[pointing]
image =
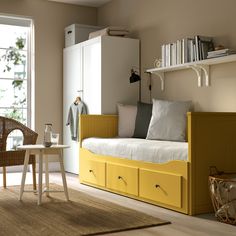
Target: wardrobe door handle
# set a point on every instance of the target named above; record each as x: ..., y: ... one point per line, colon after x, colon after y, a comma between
x: 90, y: 171
x: 157, y: 186
x: 119, y: 177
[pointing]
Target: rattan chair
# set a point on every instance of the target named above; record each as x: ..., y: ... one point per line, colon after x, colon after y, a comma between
x: 15, y: 157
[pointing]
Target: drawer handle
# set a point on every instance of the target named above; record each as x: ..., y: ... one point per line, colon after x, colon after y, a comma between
x: 121, y: 178
x: 157, y: 186
x: 90, y: 171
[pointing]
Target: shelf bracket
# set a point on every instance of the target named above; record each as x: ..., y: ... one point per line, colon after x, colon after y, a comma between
x: 161, y: 76
x: 206, y: 71
x: 198, y: 71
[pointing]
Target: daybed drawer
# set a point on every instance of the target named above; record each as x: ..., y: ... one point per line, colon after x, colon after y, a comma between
x: 160, y: 186
x: 122, y: 178
x: 93, y: 172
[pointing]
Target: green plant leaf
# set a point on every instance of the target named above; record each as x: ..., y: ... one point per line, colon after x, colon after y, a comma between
x: 13, y: 55
x: 20, y: 43
x: 17, y: 83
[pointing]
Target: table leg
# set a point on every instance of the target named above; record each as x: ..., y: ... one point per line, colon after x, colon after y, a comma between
x: 26, y: 161
x: 40, y: 177
x: 63, y: 175
x: 46, y: 175
x: 4, y: 172
x: 34, y: 175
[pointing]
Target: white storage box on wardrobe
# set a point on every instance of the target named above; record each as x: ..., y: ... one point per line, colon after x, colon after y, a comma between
x: 78, y: 33
x: 100, y: 68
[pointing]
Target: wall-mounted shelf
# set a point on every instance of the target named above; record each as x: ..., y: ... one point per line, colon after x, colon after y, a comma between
x: 200, y: 68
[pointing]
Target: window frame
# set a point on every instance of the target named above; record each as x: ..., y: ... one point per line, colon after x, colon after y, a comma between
x: 26, y: 22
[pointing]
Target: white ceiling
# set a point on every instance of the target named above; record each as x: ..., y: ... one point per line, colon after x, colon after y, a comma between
x: 90, y: 3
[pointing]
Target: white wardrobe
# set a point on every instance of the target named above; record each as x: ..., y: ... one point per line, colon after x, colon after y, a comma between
x: 98, y: 71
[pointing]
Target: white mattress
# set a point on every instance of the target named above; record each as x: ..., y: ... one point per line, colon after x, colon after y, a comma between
x: 138, y: 149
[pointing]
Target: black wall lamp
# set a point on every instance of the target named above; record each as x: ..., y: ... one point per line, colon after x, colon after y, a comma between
x: 134, y: 77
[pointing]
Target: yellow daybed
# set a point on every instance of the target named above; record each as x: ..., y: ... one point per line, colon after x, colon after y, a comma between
x: 178, y: 185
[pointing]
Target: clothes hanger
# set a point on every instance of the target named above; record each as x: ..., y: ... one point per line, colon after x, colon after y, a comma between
x: 77, y: 100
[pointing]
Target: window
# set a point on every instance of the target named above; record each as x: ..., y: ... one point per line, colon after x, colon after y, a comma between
x: 16, y: 68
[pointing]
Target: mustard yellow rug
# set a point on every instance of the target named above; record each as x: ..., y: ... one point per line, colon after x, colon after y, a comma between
x: 82, y: 215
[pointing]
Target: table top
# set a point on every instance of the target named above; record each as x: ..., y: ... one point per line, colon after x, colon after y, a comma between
x: 41, y: 147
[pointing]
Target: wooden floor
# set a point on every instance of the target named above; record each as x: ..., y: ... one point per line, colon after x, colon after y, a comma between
x: 182, y: 225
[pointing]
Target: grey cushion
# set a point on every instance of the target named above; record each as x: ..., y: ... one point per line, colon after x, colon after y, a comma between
x: 168, y: 120
x: 144, y: 114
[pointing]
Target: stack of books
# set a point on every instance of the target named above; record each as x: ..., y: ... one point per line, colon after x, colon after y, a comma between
x: 221, y: 53
x: 186, y: 50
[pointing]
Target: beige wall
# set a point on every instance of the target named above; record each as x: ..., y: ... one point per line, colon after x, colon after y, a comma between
x: 50, y: 19
x: 157, y: 22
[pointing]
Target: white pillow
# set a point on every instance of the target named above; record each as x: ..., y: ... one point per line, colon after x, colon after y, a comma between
x: 168, y: 120
x: 126, y: 124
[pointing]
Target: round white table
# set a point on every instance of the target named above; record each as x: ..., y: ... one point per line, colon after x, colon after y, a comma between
x: 43, y: 153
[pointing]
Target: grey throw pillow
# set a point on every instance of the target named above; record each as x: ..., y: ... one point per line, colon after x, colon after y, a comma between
x: 168, y: 120
x: 144, y: 114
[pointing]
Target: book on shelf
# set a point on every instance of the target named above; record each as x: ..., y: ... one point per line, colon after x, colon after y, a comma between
x: 197, y: 48
x: 178, y: 52
x: 191, y: 50
x: 168, y: 55
x: 173, y: 54
x: 194, y: 52
x: 222, y: 51
x: 204, y: 44
x: 184, y: 50
x: 187, y: 50
x: 163, y: 55
x: 218, y: 55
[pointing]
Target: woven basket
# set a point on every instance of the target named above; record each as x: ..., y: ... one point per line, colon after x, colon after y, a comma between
x: 223, y: 195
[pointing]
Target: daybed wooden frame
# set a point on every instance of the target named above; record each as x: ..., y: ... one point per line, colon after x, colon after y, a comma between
x: 178, y: 185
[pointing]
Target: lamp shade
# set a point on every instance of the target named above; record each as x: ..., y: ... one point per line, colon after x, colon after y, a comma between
x: 134, y: 77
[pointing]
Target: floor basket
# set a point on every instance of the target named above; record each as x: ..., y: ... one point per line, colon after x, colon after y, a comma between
x: 223, y: 195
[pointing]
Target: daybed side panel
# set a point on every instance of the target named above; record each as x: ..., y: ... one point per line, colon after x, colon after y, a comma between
x: 212, y: 142
x: 103, y: 126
